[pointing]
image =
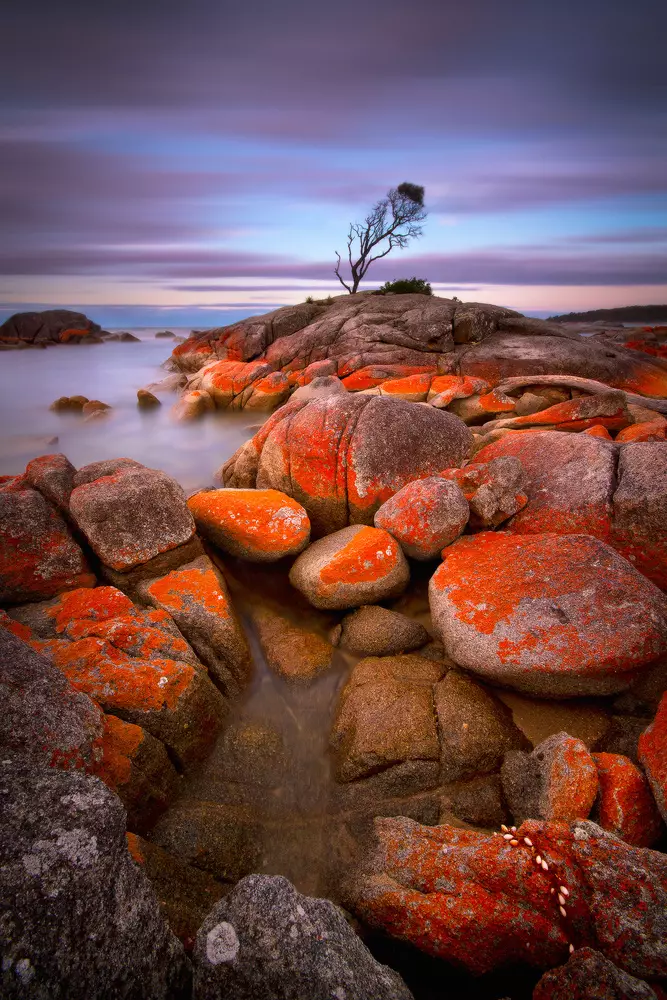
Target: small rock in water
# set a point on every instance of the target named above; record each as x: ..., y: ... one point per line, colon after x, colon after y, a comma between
x: 146, y: 400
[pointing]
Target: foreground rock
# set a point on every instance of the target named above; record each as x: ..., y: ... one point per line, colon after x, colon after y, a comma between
x: 653, y: 756
x: 481, y: 903
x: 540, y: 613
x: 425, y: 516
x: 588, y: 975
x: 341, y: 457
x: 267, y: 940
x: 376, y: 631
x: 80, y: 920
x: 354, y: 566
x: 557, y: 781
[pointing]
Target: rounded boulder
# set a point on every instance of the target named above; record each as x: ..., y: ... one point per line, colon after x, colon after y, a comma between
x: 354, y: 566
x: 552, y: 615
x: 258, y: 525
x: 425, y: 516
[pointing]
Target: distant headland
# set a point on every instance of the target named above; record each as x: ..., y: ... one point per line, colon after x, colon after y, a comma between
x: 624, y: 314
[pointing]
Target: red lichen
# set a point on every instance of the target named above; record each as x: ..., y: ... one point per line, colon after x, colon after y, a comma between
x: 118, y: 744
x: 626, y: 806
x: 648, y: 430
x: 184, y: 589
x: 95, y: 605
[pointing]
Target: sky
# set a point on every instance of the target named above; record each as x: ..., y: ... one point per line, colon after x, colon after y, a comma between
x: 190, y: 163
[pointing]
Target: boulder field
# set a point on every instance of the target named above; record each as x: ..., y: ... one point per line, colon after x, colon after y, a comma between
x: 409, y: 656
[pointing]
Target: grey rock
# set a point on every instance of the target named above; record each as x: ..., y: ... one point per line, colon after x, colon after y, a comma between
x: 267, y: 940
x: 79, y: 919
x: 479, y: 802
x: 53, y: 476
x: 588, y: 975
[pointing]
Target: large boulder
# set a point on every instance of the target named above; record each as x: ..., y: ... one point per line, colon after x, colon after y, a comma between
x: 625, y: 805
x: 258, y: 525
x: 354, y: 566
x: 267, y: 940
x: 79, y: 919
x: 38, y: 555
x: 131, y: 514
x: 482, y: 902
x: 639, y: 505
x: 341, y: 457
x: 553, y: 615
x: 52, y: 326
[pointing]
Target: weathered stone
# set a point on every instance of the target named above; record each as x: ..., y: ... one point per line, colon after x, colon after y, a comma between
x: 196, y: 597
x: 131, y: 515
x: 541, y: 613
x: 292, y: 652
x: 53, y: 476
x: 653, y: 756
x: 494, y: 490
x: 625, y: 805
x: 639, y: 504
x: 425, y: 516
x: 376, y: 631
x: 474, y: 727
x: 267, y: 940
x: 479, y: 802
x: 80, y: 921
x: 481, y: 903
x: 557, y: 781
x: 354, y: 566
x: 588, y: 975
x: 38, y: 556
x: 259, y: 525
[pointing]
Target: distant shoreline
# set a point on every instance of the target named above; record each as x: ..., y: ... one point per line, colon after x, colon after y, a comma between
x: 623, y: 314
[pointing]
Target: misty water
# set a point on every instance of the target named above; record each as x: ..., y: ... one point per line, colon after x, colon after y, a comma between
x: 32, y: 379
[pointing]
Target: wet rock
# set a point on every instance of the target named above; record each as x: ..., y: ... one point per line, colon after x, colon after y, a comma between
x: 65, y: 867
x: 386, y: 716
x: 480, y: 903
x: 625, y: 805
x: 131, y: 514
x: 125, y: 337
x: 147, y: 400
x: 541, y: 613
x: 94, y: 406
x: 266, y: 939
x: 259, y: 525
x: 557, y: 781
x: 43, y: 717
x: 569, y: 481
x: 639, y: 503
x: 475, y: 728
x: 38, y: 556
x: 343, y: 456
x: 224, y: 840
x: 53, y: 476
x: 185, y: 894
x: 494, y: 490
x: 354, y: 566
x: 195, y: 595
x: 653, y: 756
x: 376, y: 631
x: 165, y: 334
x: 479, y: 802
x: 424, y: 516
x: 588, y: 975
x: 292, y: 652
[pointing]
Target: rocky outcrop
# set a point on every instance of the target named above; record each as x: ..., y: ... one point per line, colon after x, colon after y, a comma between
x: 483, y: 902
x: 267, y: 940
x: 536, y: 613
x: 53, y: 326
x: 80, y: 920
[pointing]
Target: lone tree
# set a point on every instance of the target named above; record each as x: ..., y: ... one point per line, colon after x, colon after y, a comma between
x: 392, y: 223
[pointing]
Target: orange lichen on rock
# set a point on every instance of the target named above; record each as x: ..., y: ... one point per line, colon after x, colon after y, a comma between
x: 18, y: 629
x: 445, y: 388
x: 268, y: 392
x: 540, y: 612
x: 367, y: 556
x: 195, y: 585
x: 67, y: 335
x: 626, y: 806
x: 424, y: 516
x: 412, y: 387
x: 649, y: 430
x: 231, y: 382
x: 374, y: 375
x: 118, y: 681
x: 118, y: 745
x: 653, y: 756
x: 597, y: 430
x: 496, y: 402
x: 96, y: 605
x: 260, y: 525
